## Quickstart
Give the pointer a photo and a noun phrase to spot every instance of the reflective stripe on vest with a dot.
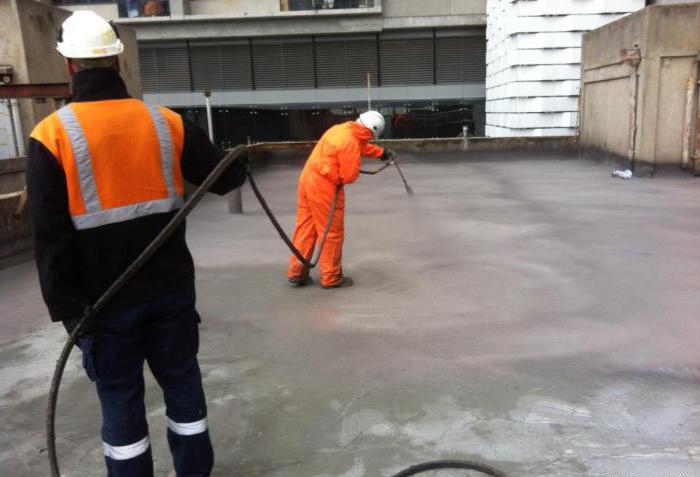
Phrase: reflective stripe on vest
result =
(95, 215)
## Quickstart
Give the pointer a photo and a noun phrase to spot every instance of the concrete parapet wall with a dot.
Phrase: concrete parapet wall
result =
(296, 151)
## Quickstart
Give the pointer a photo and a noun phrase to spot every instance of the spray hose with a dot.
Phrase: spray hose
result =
(177, 220)
(306, 261)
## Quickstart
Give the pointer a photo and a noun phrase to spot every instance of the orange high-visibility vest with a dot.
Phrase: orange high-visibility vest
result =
(121, 159)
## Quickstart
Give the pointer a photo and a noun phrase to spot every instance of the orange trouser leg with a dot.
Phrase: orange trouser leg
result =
(320, 203)
(305, 235)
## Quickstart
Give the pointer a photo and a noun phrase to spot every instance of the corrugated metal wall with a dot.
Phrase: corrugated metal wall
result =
(393, 59)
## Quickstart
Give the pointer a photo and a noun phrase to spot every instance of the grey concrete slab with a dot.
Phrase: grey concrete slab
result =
(535, 314)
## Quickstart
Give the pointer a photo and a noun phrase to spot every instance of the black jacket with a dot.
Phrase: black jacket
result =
(77, 266)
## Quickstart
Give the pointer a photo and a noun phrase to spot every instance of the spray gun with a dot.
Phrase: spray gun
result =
(391, 162)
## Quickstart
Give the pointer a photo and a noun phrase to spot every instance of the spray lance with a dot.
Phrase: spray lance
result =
(91, 312)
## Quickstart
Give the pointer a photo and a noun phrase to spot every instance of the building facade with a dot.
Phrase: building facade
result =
(287, 69)
(534, 62)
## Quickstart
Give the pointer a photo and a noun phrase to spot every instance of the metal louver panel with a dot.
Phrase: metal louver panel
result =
(149, 70)
(406, 61)
(460, 59)
(283, 64)
(221, 66)
(165, 67)
(345, 62)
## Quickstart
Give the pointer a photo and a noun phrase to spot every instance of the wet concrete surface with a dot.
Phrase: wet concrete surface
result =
(534, 314)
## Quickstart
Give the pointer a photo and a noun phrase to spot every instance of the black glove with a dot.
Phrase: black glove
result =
(387, 155)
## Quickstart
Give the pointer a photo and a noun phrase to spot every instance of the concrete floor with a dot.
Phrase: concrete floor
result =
(535, 314)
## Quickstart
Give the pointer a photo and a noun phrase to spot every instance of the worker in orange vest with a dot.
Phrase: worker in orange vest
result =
(105, 174)
(334, 162)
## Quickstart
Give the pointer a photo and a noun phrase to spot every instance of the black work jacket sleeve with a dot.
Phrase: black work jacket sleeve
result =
(54, 234)
(200, 157)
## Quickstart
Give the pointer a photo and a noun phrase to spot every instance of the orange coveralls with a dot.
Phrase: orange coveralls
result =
(335, 161)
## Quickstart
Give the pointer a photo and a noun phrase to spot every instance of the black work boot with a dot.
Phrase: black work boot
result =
(345, 282)
(300, 281)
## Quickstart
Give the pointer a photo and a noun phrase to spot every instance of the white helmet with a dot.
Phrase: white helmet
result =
(374, 121)
(85, 34)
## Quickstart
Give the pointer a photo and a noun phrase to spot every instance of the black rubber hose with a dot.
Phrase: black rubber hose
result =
(306, 261)
(157, 242)
(450, 464)
(376, 171)
(148, 252)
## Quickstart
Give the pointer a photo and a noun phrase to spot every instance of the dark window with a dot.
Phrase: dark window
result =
(292, 5)
(81, 2)
(233, 126)
(143, 8)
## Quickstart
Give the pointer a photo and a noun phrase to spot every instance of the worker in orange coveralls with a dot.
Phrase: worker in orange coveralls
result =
(334, 162)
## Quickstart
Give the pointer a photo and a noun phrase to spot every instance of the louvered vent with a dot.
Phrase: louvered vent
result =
(406, 61)
(221, 65)
(460, 59)
(283, 63)
(164, 67)
(345, 62)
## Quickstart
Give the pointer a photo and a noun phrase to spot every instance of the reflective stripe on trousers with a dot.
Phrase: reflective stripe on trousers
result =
(187, 428)
(95, 215)
(126, 452)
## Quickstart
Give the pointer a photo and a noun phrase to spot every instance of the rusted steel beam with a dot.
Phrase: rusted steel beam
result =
(39, 90)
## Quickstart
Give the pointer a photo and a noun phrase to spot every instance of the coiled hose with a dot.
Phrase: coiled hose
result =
(147, 253)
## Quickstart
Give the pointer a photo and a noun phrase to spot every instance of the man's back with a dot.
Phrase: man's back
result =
(337, 154)
(105, 175)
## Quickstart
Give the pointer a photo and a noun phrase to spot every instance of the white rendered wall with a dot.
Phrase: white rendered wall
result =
(533, 62)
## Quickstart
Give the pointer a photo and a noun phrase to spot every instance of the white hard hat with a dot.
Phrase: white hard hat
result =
(85, 34)
(374, 121)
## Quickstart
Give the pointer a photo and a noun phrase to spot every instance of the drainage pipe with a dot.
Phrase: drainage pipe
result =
(17, 126)
(11, 115)
(691, 100)
(634, 86)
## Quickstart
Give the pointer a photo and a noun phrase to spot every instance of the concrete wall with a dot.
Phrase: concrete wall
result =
(234, 7)
(672, 2)
(251, 18)
(668, 40)
(474, 147)
(15, 233)
(108, 11)
(28, 30)
(420, 13)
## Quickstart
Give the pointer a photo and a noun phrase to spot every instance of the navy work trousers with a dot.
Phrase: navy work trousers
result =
(163, 333)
